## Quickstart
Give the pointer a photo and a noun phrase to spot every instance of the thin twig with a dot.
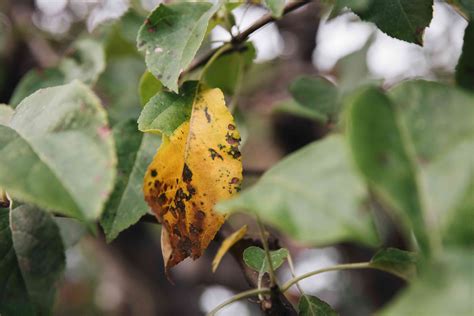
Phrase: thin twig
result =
(263, 235)
(359, 265)
(238, 297)
(241, 37)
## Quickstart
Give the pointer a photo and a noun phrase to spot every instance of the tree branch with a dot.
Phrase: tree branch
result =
(242, 37)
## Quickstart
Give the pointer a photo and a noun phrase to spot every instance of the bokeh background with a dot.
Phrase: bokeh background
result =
(126, 277)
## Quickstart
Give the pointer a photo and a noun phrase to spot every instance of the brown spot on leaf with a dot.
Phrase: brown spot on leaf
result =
(215, 154)
(208, 116)
(187, 174)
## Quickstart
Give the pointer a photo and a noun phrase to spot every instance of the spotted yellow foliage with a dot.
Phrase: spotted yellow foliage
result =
(197, 166)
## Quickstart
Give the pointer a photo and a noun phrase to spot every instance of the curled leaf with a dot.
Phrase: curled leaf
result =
(198, 165)
(226, 245)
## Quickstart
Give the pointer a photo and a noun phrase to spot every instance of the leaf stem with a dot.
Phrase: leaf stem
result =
(242, 36)
(293, 274)
(263, 236)
(216, 55)
(346, 266)
(238, 297)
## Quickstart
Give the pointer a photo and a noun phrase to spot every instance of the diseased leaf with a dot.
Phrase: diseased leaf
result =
(255, 258)
(86, 61)
(380, 154)
(227, 71)
(403, 19)
(312, 306)
(399, 262)
(465, 67)
(135, 152)
(226, 245)
(171, 36)
(315, 195)
(59, 136)
(34, 80)
(31, 261)
(148, 87)
(6, 113)
(443, 288)
(166, 111)
(276, 7)
(198, 165)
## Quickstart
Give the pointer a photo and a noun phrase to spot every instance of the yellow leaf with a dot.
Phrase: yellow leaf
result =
(226, 245)
(197, 166)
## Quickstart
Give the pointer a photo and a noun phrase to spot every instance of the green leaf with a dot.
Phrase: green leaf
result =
(352, 70)
(465, 67)
(71, 230)
(6, 113)
(402, 19)
(466, 6)
(148, 87)
(294, 108)
(34, 80)
(442, 150)
(227, 71)
(317, 94)
(59, 136)
(355, 5)
(31, 261)
(396, 261)
(171, 36)
(166, 111)
(314, 195)
(444, 288)
(121, 38)
(276, 7)
(126, 205)
(312, 306)
(379, 152)
(255, 258)
(119, 91)
(86, 61)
